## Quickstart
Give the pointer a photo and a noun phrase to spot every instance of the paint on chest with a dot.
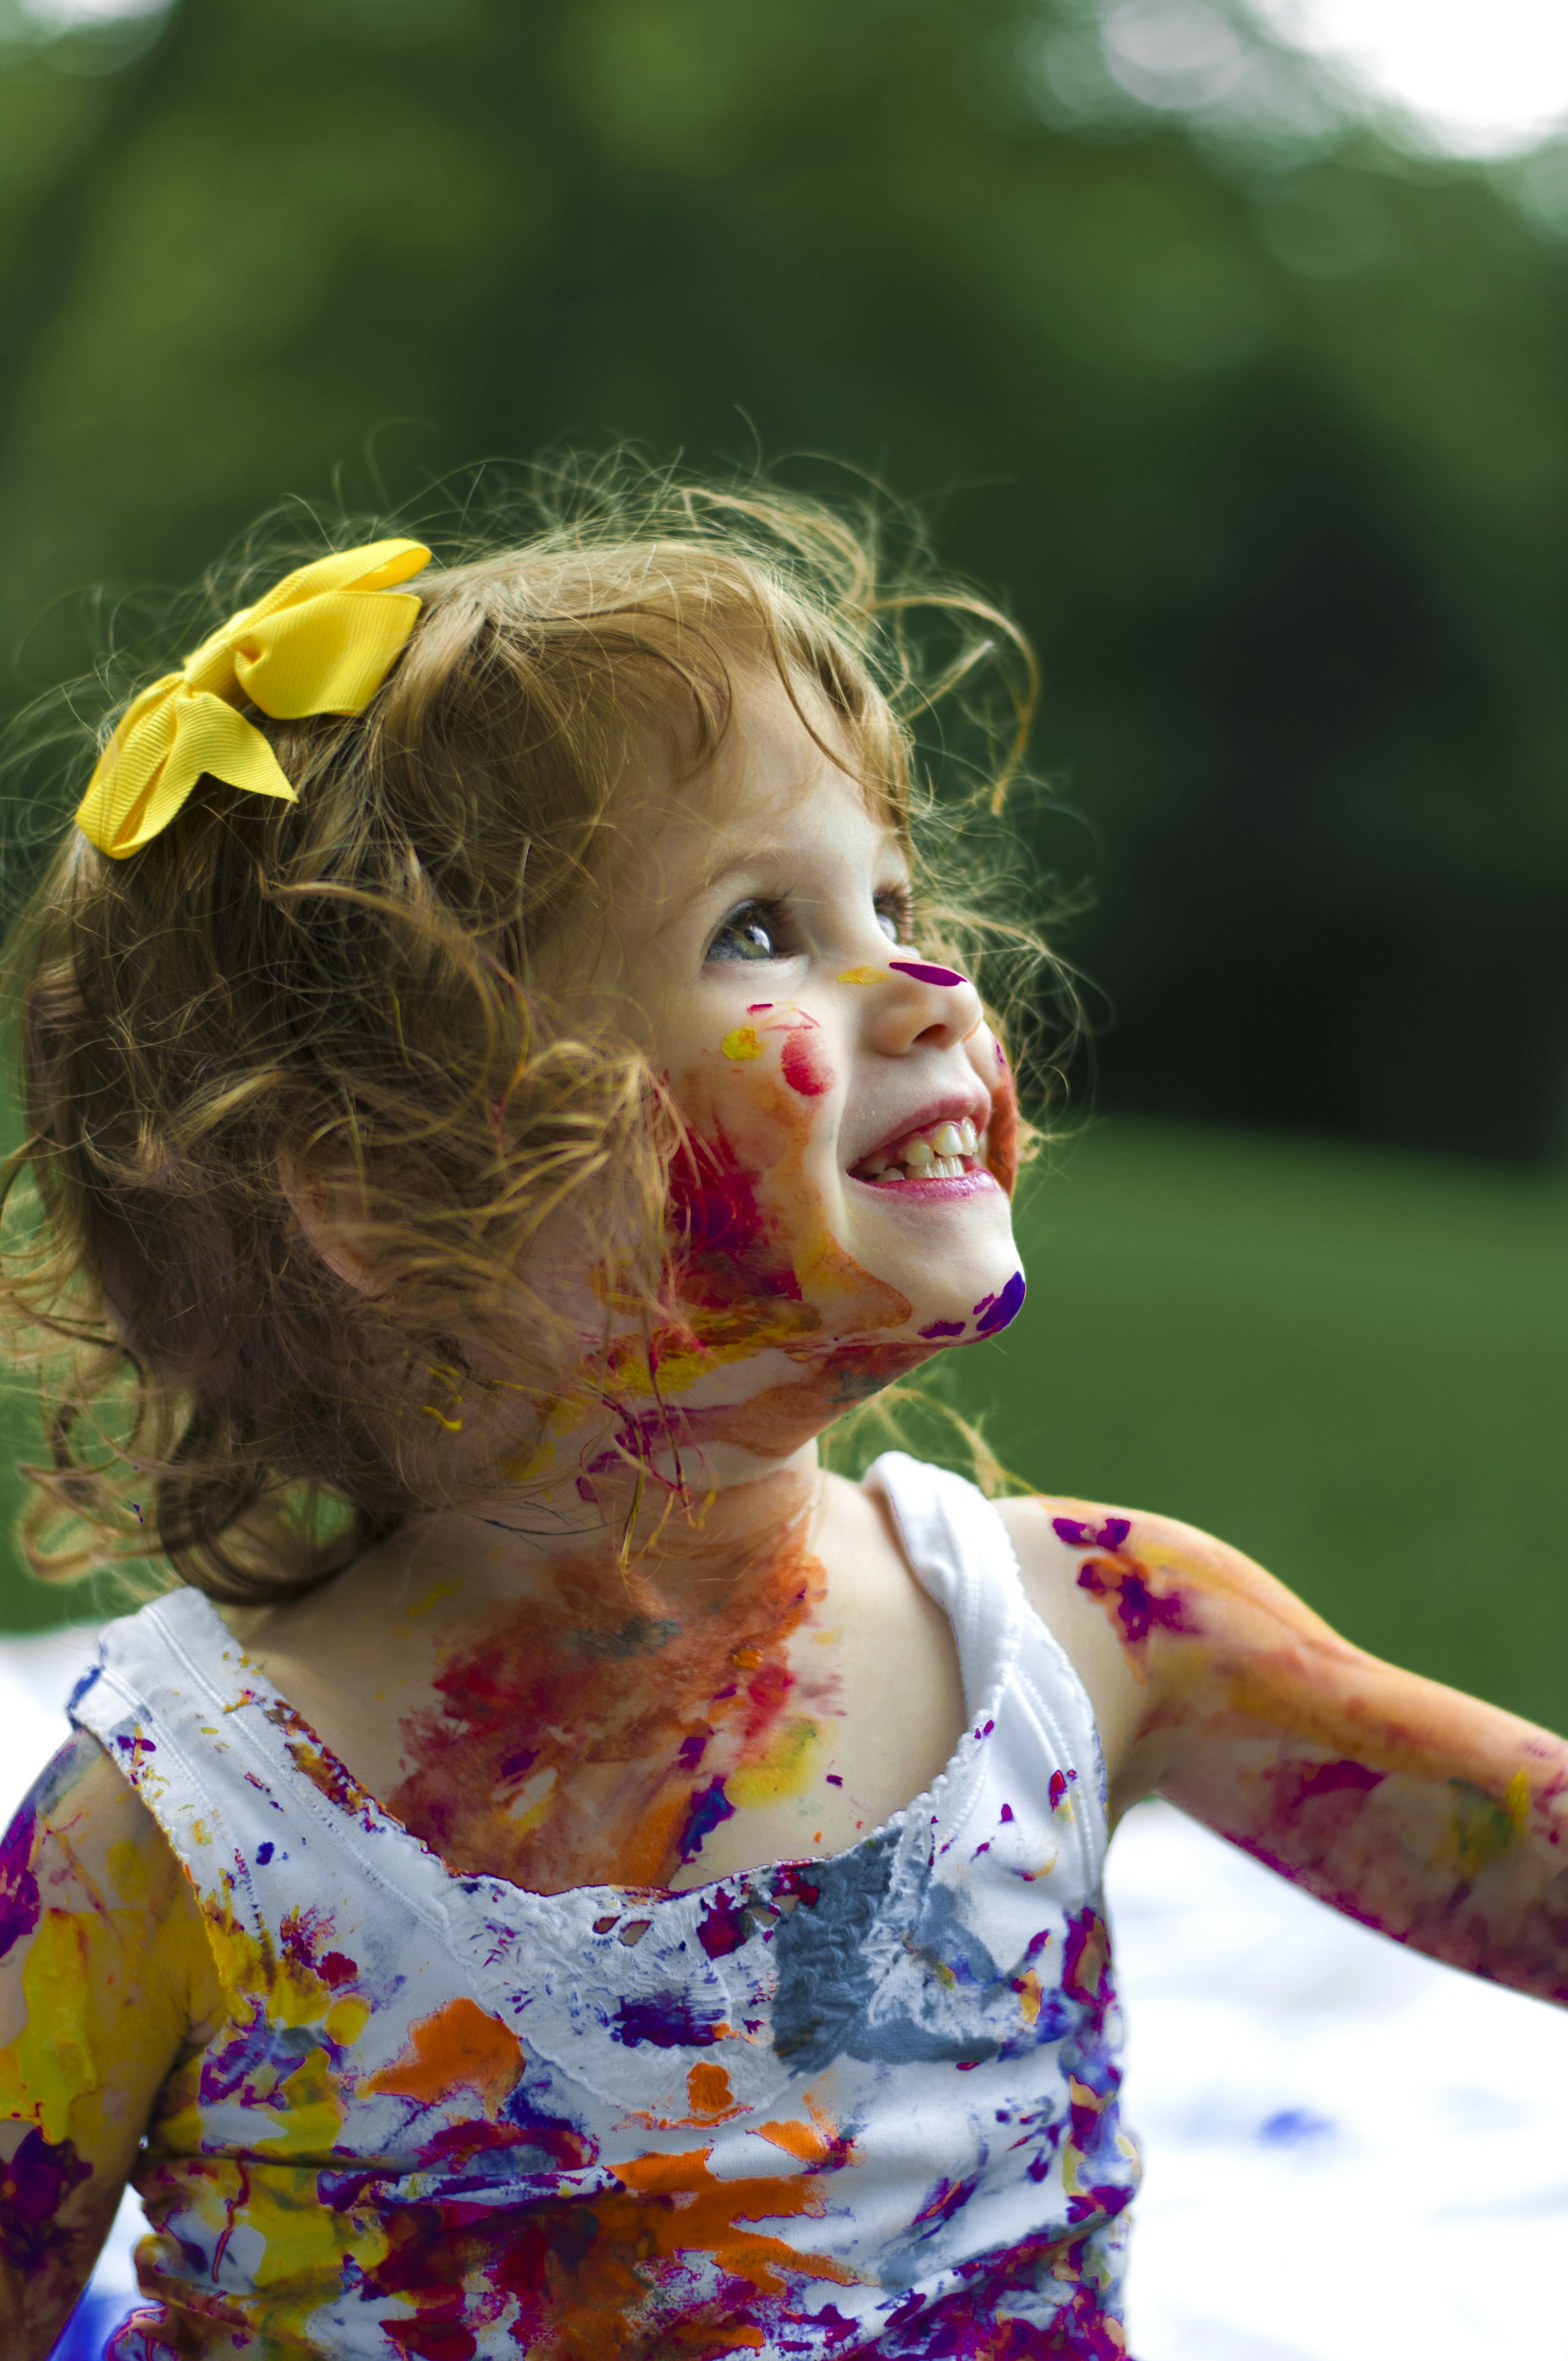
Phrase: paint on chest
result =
(567, 1746)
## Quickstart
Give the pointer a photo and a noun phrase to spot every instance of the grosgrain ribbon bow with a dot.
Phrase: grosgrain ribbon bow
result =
(322, 640)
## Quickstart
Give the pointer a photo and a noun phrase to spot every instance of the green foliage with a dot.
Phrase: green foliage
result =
(1258, 419)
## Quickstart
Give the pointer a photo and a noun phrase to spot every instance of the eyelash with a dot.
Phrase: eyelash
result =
(772, 915)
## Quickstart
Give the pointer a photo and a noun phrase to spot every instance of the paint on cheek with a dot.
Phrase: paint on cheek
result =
(1002, 1130)
(940, 1328)
(18, 1884)
(801, 1071)
(742, 1043)
(33, 2186)
(996, 1311)
(922, 973)
(864, 975)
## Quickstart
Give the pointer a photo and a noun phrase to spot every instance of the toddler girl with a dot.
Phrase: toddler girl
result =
(565, 1875)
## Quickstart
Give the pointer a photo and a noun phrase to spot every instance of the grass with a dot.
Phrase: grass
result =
(1352, 1366)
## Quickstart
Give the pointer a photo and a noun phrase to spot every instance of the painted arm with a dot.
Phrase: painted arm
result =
(105, 1973)
(1423, 1812)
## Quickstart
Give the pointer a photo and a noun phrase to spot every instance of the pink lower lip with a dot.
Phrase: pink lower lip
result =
(967, 1184)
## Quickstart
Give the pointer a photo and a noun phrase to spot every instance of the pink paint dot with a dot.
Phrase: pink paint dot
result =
(757, 1008)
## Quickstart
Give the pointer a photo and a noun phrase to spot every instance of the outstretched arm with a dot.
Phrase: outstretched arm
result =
(1423, 1812)
(106, 1974)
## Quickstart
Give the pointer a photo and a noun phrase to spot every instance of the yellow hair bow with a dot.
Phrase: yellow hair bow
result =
(322, 640)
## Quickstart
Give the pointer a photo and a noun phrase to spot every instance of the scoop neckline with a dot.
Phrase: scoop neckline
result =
(340, 1817)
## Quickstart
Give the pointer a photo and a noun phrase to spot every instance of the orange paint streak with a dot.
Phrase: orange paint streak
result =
(458, 2049)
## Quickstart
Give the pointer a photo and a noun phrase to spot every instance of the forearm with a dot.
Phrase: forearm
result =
(1476, 1875)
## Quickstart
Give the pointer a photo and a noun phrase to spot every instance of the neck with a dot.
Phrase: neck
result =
(632, 1536)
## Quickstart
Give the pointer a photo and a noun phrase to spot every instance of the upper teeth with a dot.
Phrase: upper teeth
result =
(933, 1155)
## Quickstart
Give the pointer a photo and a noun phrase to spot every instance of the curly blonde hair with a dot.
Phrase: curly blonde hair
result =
(353, 983)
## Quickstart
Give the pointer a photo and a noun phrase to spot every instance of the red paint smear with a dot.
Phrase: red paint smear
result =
(553, 1678)
(304, 1933)
(724, 1924)
(729, 1253)
(801, 1071)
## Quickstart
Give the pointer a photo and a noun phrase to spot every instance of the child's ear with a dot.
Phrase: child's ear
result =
(330, 1210)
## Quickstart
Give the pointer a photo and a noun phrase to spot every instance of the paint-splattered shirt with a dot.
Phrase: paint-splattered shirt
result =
(861, 2105)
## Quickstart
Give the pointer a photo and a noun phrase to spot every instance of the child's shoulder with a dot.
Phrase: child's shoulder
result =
(85, 1848)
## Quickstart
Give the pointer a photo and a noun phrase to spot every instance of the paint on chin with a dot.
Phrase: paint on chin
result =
(994, 1312)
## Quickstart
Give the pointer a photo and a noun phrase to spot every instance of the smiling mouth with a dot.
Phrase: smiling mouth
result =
(943, 1151)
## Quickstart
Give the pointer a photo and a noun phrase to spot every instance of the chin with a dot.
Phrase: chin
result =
(962, 1289)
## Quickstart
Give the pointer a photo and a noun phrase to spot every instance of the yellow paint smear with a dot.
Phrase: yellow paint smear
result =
(1516, 1801)
(786, 1770)
(51, 2064)
(308, 2108)
(864, 975)
(432, 1597)
(741, 1043)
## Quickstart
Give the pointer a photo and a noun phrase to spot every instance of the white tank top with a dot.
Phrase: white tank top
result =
(860, 2105)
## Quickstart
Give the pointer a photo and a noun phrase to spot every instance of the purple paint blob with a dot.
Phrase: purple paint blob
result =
(924, 974)
(704, 1815)
(18, 1886)
(944, 1328)
(1079, 1535)
(692, 1749)
(33, 2186)
(264, 1852)
(1138, 1610)
(1007, 1811)
(723, 1926)
(999, 1312)
(667, 2021)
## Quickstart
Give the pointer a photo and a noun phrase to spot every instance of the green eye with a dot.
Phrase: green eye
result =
(750, 934)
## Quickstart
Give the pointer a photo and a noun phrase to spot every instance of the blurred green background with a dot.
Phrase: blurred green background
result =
(1255, 411)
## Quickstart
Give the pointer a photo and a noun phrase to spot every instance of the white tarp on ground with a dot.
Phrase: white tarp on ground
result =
(1351, 2153)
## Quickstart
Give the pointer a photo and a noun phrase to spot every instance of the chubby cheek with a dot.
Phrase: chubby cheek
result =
(765, 1089)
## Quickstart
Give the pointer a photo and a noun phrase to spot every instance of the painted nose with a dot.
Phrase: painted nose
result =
(924, 1005)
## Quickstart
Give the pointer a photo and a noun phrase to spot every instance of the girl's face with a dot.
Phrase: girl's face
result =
(850, 1109)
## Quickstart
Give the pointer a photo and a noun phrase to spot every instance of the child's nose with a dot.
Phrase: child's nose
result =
(921, 1004)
